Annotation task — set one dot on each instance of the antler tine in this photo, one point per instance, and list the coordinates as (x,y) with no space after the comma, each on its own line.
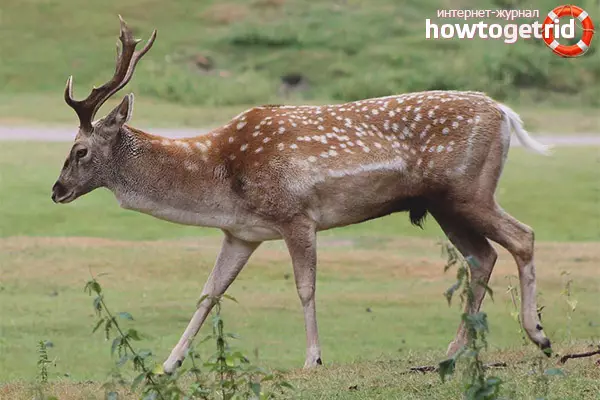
(147,47)
(78,106)
(69,91)
(127,59)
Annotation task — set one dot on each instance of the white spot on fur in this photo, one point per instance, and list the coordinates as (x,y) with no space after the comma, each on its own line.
(183,145)
(201,146)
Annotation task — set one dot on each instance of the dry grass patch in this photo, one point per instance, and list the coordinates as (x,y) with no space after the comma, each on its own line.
(387,259)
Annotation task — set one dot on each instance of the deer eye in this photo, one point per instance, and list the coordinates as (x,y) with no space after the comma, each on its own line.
(81,153)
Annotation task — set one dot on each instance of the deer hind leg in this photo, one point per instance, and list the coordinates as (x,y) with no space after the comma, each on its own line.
(490,220)
(232,258)
(300,239)
(469,243)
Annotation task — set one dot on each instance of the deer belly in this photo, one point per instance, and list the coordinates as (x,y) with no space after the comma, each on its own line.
(349,200)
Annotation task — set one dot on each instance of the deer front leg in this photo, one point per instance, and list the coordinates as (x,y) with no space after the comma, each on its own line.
(232,258)
(300,239)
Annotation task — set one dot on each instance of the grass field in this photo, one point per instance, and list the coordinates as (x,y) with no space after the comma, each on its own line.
(399,280)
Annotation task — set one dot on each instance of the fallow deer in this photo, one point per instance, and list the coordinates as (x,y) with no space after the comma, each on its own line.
(287,172)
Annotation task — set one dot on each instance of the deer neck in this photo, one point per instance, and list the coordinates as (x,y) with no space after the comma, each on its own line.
(175,180)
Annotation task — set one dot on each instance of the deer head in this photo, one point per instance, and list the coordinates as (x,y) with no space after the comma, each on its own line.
(88,163)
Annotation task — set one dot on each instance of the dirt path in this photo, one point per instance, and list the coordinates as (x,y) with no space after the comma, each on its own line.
(57,134)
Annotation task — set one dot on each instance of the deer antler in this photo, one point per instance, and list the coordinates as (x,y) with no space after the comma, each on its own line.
(127,58)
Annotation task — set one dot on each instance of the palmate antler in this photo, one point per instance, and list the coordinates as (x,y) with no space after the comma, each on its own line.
(127,58)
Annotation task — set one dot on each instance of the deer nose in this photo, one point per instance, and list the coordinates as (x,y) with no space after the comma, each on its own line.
(57,191)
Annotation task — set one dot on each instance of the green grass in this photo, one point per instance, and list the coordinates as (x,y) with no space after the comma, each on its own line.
(45,109)
(400,281)
(558,196)
(388,379)
(347,50)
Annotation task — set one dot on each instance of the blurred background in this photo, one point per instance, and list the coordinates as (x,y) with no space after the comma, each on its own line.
(380,283)
(227,55)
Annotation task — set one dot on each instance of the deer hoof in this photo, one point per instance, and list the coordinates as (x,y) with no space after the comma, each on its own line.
(170,366)
(546,347)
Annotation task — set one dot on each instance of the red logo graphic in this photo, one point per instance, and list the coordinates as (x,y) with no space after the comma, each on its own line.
(568,11)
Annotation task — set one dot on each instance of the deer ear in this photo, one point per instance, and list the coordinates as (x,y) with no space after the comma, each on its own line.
(120,115)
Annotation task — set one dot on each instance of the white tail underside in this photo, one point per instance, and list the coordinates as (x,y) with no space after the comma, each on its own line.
(516,124)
